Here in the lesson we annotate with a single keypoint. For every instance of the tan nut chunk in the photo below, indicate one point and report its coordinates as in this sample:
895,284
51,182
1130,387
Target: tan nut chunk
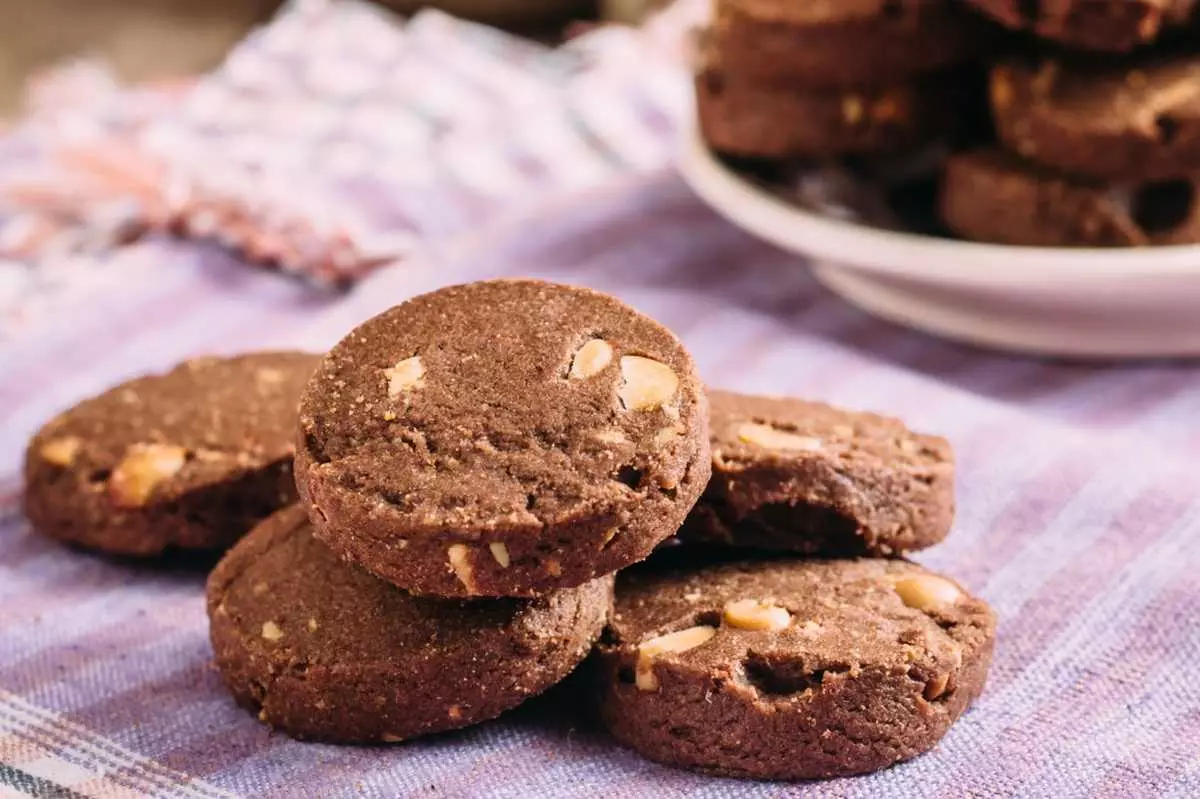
60,451
591,358
461,566
500,553
271,631
852,109
926,591
681,641
764,435
936,687
404,376
143,468
647,384
755,614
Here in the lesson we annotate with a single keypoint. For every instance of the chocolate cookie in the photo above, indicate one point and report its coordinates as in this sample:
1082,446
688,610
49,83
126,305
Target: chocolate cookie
810,478
321,649
790,669
1113,124
191,459
991,195
842,45
502,438
749,118
1100,25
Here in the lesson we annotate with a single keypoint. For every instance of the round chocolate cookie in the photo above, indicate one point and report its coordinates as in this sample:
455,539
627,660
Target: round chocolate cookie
749,118
321,649
1112,124
810,478
845,45
190,459
790,669
1099,25
502,438
991,195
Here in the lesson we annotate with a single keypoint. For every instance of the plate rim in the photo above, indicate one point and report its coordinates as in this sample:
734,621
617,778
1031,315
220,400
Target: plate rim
912,255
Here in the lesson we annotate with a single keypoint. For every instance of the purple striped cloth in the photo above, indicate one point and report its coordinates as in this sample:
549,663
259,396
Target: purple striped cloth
1079,521
1079,512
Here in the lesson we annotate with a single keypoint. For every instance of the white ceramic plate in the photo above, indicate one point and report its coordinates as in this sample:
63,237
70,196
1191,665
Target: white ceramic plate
1095,303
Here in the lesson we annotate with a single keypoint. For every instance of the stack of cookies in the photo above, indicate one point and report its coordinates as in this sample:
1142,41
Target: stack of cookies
473,468
812,80
1095,104
1098,128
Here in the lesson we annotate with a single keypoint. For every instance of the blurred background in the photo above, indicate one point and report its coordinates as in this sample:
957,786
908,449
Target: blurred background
150,39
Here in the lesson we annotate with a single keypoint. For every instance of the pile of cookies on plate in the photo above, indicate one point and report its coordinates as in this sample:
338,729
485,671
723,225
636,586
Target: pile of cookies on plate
1073,123
497,481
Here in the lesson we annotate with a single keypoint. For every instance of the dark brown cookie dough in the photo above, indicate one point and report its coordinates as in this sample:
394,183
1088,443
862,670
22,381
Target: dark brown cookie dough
1123,123
810,478
993,196
1099,25
749,118
502,438
845,44
321,649
790,669
190,459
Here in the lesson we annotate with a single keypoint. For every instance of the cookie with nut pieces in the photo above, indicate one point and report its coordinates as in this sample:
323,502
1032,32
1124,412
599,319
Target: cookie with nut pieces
502,438
1112,26
988,194
789,669
321,649
187,460
810,478
862,43
750,118
1128,121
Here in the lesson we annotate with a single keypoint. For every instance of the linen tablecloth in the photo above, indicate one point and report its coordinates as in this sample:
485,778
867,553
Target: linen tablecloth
1079,519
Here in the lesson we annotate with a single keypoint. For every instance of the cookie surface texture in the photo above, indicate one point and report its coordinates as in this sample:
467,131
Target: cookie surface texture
188,460
323,650
502,438
749,118
993,196
845,44
790,669
1112,26
809,478
1133,122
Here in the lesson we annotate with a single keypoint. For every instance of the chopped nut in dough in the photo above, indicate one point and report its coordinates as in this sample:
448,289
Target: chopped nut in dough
271,631
405,375
755,614
142,469
500,553
926,591
61,451
591,358
461,566
647,384
680,641
764,435
936,687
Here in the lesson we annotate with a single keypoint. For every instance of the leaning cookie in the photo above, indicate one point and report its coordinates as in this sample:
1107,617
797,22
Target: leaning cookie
188,460
809,478
502,438
321,649
1101,25
790,669
845,45
1118,123
993,196
749,118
